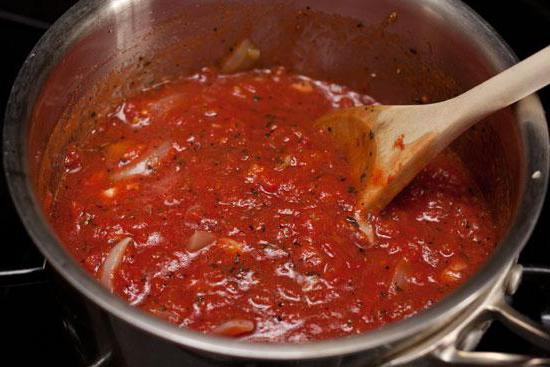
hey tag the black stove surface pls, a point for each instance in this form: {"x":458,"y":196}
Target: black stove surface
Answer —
{"x":30,"y":318}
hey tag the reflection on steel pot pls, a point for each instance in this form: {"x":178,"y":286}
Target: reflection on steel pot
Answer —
{"x":396,"y":51}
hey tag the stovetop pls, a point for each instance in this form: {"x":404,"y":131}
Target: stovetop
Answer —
{"x":30,"y":319}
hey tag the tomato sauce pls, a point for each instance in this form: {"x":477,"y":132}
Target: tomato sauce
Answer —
{"x":213,"y":203}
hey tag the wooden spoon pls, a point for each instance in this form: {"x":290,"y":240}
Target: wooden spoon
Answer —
{"x":388,"y":145}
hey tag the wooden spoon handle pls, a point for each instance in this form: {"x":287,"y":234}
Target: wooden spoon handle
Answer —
{"x":500,"y":91}
{"x":511,"y":85}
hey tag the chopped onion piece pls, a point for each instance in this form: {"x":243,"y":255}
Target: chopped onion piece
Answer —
{"x":454,"y":271}
{"x":401,"y":275}
{"x":109,"y":193}
{"x":243,"y":57}
{"x":112,"y":262}
{"x":200,"y":239}
{"x":145,"y":165}
{"x":365,"y":226}
{"x":163,"y":106}
{"x":231,"y":246}
{"x":234,"y":327}
{"x":302,"y":86}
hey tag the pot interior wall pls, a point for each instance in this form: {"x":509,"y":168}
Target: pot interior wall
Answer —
{"x":395,"y":51}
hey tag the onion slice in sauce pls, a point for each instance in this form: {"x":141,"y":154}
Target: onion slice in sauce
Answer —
{"x":242,"y":57}
{"x":365,"y":226}
{"x":400,"y":279}
{"x":200,"y":239}
{"x":113,"y":261}
{"x":145,"y":165}
{"x":234,"y":327}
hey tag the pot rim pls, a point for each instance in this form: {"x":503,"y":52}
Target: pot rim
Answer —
{"x":534,"y":135}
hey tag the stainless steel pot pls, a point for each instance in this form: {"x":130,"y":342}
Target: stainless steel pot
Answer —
{"x":398,"y":51}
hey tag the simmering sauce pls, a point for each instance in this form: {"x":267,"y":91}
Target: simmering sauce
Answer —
{"x":213,"y":203}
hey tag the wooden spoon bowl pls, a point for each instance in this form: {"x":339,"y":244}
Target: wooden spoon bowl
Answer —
{"x":388,"y":145}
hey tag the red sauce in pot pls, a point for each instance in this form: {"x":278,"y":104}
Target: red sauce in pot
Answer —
{"x":213,"y":203}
